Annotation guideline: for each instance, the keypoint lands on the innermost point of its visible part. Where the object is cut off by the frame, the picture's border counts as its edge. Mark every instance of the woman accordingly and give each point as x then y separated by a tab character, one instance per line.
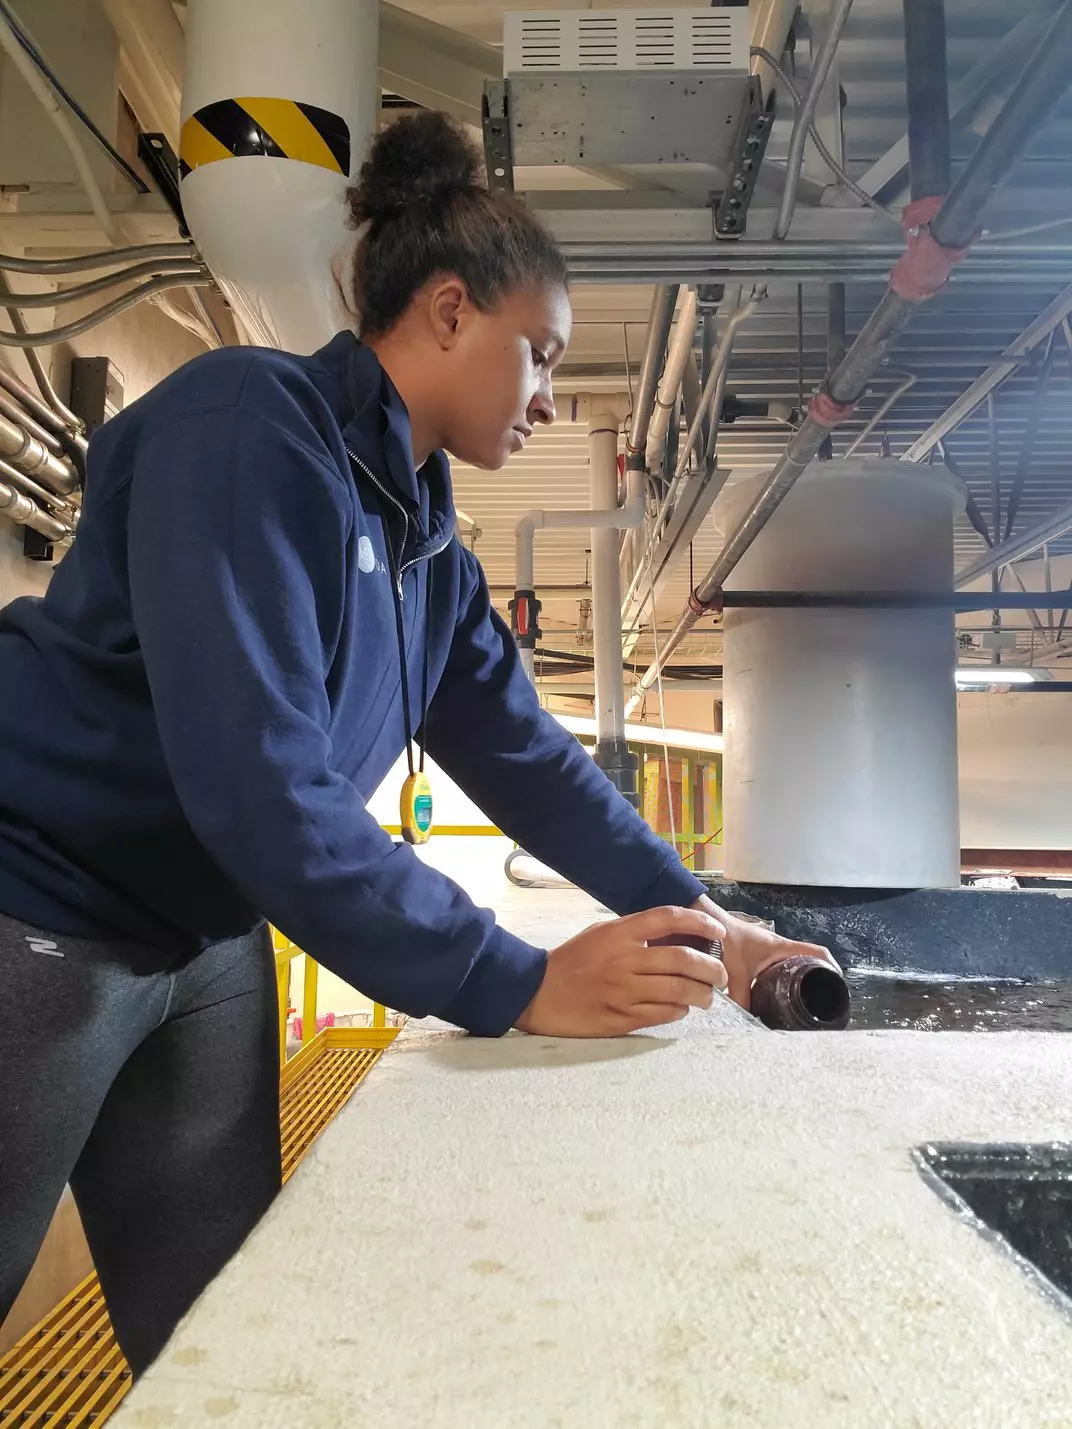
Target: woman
193	716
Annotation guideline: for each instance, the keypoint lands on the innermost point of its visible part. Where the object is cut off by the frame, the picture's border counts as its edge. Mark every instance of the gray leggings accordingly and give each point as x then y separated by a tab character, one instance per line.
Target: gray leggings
156	1095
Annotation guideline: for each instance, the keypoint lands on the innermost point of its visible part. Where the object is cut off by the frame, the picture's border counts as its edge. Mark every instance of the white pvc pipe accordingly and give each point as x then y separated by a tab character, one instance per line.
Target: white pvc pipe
610	518
270	228
841	736
606	579
678	349
42	92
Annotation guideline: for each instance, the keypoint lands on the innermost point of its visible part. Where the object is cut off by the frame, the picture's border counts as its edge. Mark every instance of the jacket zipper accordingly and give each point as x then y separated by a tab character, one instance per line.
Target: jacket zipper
405	518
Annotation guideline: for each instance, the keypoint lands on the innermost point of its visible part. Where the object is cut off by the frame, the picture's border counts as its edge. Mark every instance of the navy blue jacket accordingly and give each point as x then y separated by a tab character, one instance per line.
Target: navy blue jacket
193	717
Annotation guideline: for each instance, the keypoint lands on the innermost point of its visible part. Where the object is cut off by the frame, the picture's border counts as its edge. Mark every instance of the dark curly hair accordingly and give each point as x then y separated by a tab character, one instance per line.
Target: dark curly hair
426	210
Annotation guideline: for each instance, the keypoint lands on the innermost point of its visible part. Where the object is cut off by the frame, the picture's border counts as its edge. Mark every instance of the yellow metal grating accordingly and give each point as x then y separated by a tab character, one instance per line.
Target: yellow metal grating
69	1370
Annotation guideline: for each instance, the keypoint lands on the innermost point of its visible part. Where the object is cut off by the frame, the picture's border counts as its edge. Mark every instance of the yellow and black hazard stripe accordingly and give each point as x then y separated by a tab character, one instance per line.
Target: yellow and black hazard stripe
264	128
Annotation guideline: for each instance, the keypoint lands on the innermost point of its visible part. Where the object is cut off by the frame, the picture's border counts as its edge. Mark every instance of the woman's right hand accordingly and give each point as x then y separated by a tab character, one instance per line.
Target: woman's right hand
608	981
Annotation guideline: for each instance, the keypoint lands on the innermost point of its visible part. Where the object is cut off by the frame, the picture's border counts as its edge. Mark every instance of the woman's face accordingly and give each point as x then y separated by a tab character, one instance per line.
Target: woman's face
499	384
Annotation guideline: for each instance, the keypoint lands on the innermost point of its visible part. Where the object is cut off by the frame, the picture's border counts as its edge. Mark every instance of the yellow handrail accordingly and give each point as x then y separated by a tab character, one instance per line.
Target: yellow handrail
285	953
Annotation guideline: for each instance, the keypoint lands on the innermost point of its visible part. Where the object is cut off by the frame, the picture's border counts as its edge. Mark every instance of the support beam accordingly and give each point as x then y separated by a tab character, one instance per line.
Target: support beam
993	377
433	65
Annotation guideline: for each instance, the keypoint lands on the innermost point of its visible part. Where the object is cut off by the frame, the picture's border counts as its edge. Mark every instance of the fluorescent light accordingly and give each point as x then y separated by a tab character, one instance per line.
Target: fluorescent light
993	675
648	734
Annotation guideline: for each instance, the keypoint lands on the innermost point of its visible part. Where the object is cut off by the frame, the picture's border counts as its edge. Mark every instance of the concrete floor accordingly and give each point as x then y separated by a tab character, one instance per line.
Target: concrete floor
714	1226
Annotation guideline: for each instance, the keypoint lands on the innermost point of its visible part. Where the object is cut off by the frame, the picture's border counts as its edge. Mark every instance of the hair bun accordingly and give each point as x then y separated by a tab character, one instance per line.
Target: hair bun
421	158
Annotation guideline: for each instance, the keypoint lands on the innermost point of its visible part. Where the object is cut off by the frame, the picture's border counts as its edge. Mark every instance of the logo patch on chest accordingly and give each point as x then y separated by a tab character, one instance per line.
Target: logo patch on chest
366	556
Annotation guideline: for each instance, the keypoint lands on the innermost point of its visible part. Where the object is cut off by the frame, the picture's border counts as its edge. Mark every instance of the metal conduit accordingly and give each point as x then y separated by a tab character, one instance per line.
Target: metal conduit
104	258
663	302
1033	98
806	113
156	268
22	419
29	455
22	510
196	278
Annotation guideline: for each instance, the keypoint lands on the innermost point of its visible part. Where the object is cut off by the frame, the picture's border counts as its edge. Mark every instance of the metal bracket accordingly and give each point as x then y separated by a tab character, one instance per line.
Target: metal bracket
498	148
749	147
160	159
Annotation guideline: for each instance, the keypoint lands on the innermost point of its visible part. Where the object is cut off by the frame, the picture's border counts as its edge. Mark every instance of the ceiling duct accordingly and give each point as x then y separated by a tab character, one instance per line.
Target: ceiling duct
276	114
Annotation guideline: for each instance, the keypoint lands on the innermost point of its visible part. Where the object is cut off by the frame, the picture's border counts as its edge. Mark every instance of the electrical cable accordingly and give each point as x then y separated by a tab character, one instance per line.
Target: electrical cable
42	64
197	279
759	52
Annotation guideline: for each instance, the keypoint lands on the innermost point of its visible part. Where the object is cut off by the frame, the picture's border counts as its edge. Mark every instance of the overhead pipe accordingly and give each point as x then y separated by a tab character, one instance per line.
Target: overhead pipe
716	377
79	292
26	484
270	228
24	512
525	608
612	752
29	455
905	385
805	115
40	410
918	276
663	301
49	337
681	344
710	405
22	419
52	411
928	98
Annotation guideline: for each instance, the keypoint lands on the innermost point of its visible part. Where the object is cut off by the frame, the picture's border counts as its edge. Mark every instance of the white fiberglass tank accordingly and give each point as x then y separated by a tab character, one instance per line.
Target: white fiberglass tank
279	103
841	724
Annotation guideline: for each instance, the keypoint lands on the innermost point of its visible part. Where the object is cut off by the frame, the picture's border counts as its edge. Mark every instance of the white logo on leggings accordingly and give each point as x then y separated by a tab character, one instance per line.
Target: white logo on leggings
42	945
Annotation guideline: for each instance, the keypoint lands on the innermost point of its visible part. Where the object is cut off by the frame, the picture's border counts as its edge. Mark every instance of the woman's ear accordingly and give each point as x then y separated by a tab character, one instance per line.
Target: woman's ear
448	306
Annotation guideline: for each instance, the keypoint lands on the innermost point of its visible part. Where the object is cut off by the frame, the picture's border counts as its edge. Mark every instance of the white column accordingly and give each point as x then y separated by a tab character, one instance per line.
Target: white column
606	579
841	734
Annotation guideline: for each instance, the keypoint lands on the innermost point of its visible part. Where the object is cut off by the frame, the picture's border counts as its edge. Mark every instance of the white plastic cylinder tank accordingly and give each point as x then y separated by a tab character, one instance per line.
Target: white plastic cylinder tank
841	724
279	103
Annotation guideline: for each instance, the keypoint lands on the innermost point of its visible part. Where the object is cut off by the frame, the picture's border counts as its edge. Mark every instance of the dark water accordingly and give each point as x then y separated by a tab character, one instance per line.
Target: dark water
959	1006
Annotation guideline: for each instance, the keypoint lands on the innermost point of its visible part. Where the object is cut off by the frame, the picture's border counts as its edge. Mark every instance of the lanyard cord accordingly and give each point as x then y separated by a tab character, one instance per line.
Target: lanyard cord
396	591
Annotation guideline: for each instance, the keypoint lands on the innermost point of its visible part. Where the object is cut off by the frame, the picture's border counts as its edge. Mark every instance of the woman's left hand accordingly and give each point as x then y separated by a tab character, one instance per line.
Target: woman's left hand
750	948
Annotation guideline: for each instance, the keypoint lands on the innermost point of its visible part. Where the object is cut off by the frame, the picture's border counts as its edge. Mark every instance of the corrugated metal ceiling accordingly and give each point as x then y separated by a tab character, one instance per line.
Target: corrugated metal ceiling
949	344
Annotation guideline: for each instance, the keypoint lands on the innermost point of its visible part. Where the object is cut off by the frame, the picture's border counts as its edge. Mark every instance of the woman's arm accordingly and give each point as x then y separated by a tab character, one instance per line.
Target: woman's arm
236	551
533	778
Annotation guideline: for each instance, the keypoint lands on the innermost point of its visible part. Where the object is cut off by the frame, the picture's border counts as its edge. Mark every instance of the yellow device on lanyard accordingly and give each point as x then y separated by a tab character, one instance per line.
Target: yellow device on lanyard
415	802
415	808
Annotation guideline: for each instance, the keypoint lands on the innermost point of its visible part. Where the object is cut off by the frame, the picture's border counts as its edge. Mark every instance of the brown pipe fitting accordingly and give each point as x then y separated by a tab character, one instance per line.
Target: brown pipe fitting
801	994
